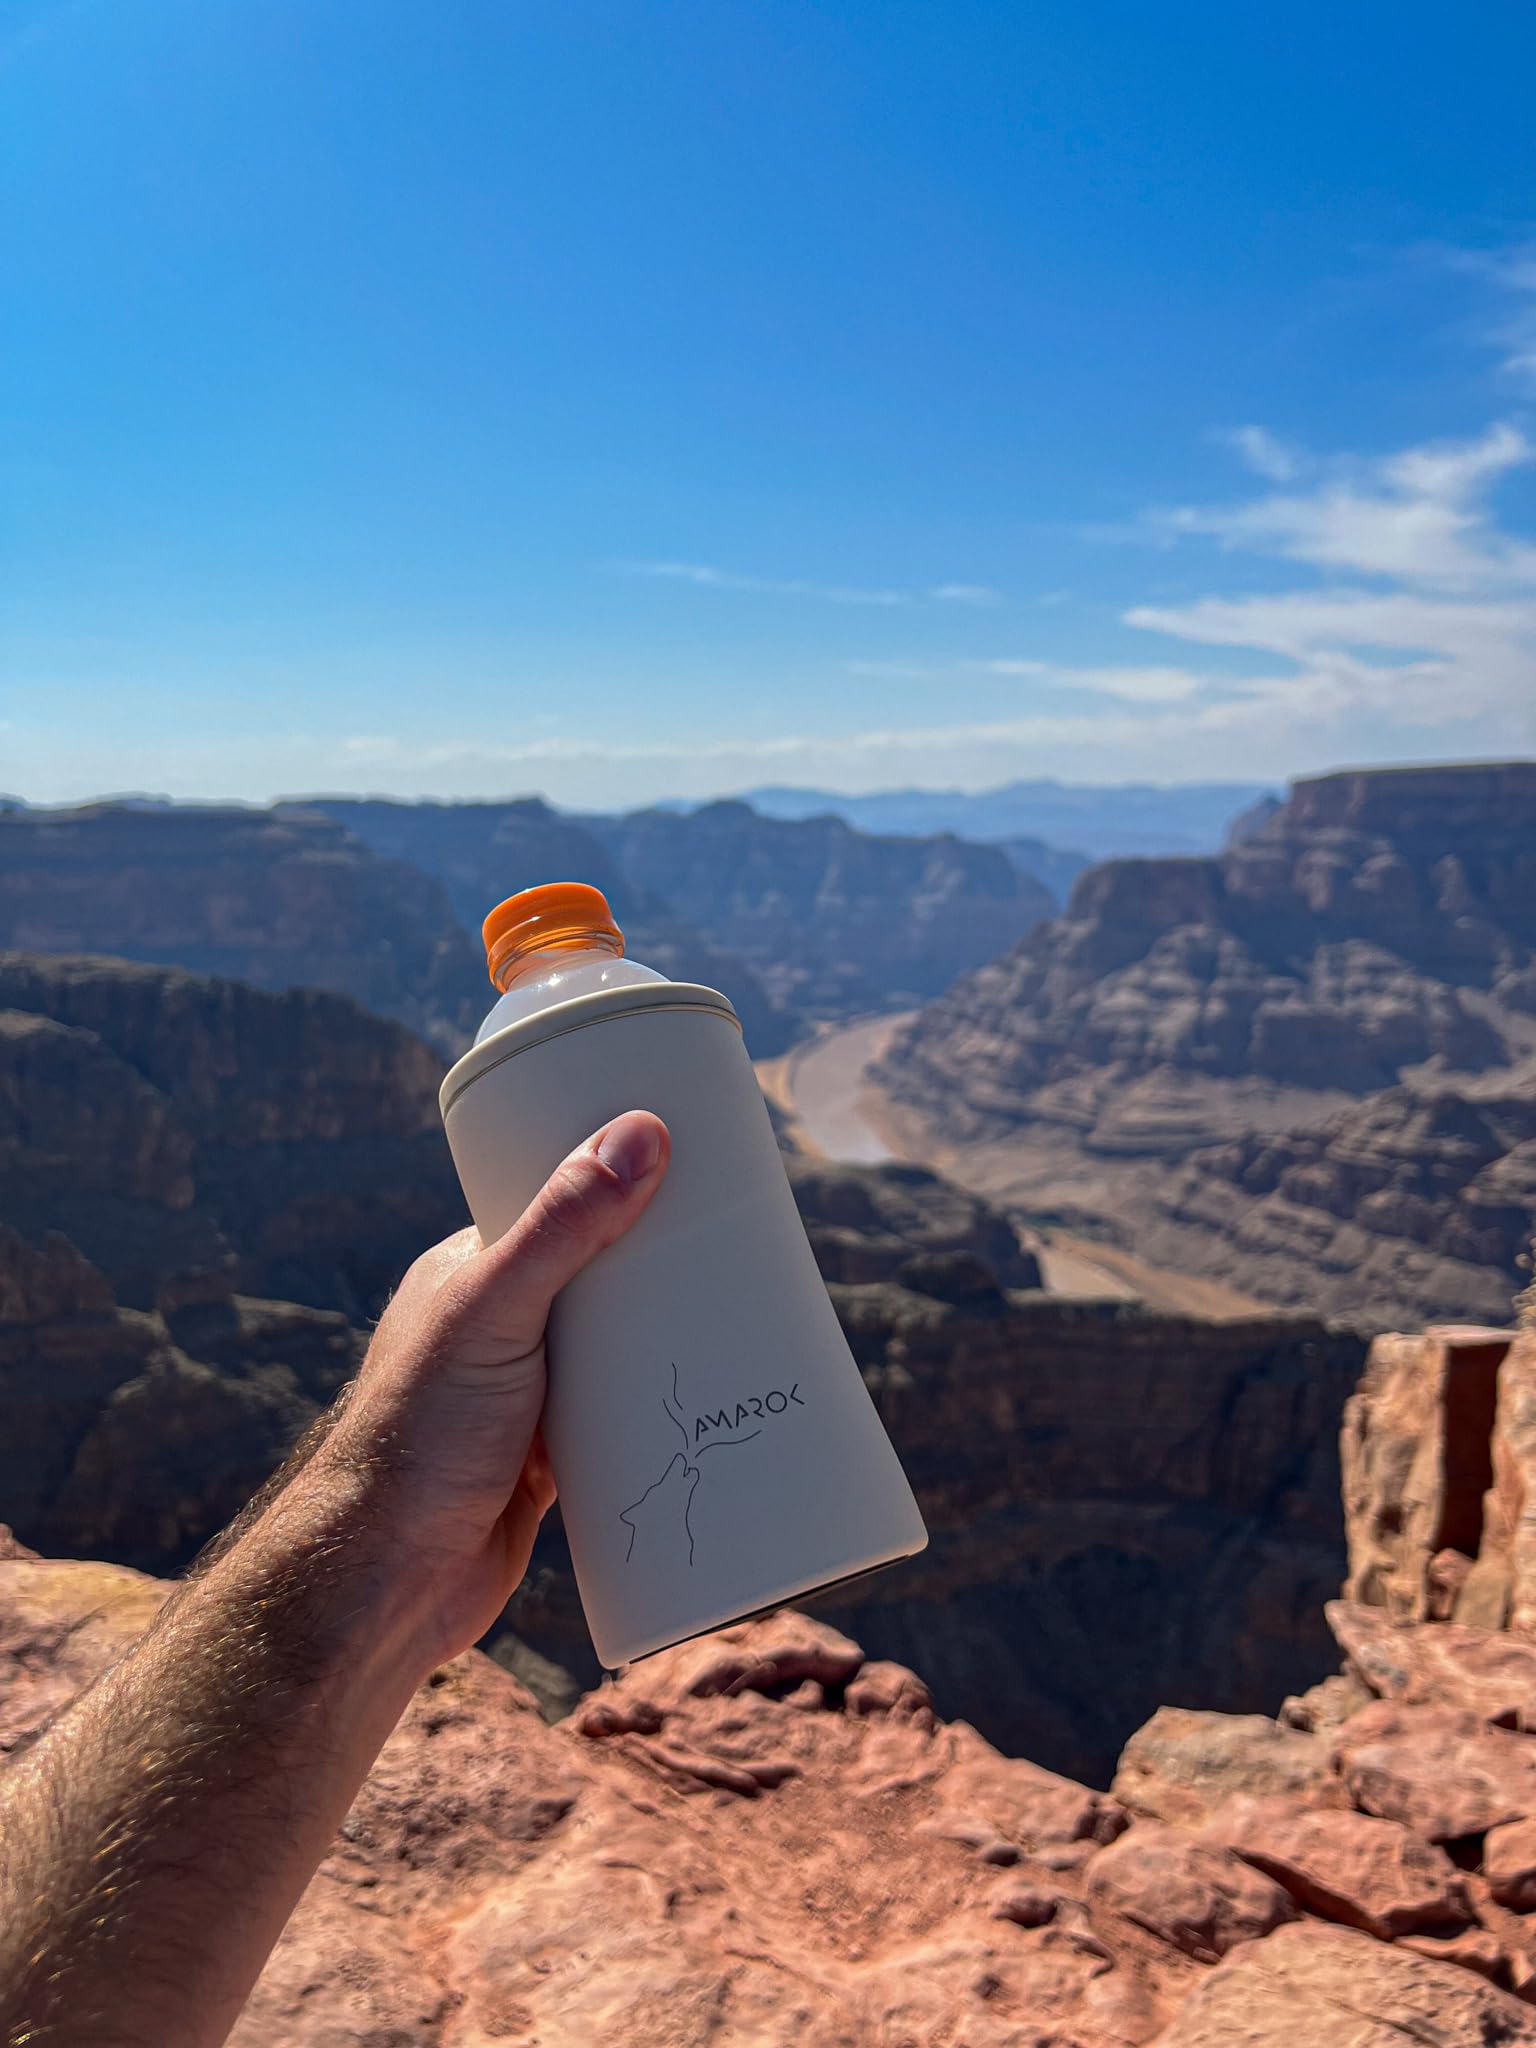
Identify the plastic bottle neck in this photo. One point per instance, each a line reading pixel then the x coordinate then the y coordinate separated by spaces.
pixel 547 976
pixel 562 956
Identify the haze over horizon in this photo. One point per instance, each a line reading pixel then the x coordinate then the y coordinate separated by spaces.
pixel 629 403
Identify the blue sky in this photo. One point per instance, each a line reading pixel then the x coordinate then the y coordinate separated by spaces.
pixel 624 400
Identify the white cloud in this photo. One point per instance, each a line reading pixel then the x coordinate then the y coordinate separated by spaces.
pixel 1418 517
pixel 706 577
pixel 1265 454
pixel 1512 273
pixel 1443 633
pixel 896 671
pixel 1132 685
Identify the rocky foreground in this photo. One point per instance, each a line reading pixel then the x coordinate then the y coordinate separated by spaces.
pixel 767 1837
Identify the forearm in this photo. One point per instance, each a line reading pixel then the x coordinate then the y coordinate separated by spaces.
pixel 155 1840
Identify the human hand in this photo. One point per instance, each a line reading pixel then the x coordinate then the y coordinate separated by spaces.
pixel 437 1449
pixel 217 1758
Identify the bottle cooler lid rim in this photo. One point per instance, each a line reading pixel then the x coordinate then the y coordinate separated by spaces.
pixel 576 1015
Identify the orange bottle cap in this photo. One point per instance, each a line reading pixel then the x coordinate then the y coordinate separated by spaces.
pixel 558 917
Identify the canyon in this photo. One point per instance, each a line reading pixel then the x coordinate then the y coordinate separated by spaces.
pixel 210 1189
pixel 1303 1067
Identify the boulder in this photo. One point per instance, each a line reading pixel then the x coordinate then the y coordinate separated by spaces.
pixel 1195 1895
pixel 1441 1771
pixel 1487 1672
pixel 1326 1705
pixel 1030 1806
pixel 1349 1867
pixel 1509 1864
pixel 1309 1986
pixel 1184 1764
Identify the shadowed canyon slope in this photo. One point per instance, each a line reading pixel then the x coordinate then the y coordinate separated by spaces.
pixel 1240 1017
pixel 768 1835
pixel 172 1124
pixel 276 901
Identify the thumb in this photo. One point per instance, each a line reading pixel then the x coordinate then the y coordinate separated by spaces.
pixel 500 1298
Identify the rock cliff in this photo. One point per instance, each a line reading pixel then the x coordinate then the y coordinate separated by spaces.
pixel 1377 932
pixel 277 901
pixel 168 1123
pixel 1413 1203
pixel 138 1434
pixel 383 901
pixel 833 920
pixel 793 919
pixel 483 852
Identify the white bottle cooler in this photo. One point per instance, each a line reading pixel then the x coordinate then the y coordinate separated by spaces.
pixel 715 1448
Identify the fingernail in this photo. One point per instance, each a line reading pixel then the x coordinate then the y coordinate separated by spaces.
pixel 630 1148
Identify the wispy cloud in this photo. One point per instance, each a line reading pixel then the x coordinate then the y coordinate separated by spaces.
pixel 898 671
pixel 1420 516
pixel 705 576
pixel 1131 684
pixel 1413 608
pixel 1512 274
pixel 1264 453
pixel 1442 629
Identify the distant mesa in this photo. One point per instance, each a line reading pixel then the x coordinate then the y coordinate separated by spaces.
pixel 1376 933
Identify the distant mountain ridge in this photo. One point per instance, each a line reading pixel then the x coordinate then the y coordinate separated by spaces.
pixel 833 920
pixel 383 901
pixel 804 920
pixel 1053 829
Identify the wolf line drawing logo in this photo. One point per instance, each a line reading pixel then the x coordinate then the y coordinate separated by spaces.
pixel 681 1478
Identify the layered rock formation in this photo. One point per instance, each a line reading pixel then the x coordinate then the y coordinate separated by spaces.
pixel 277 901
pixel 138 1434
pixel 1378 932
pixel 802 919
pixel 1412 1203
pixel 905 1225
pixel 833 920
pixel 169 1124
pixel 481 853
pixel 1440 1481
